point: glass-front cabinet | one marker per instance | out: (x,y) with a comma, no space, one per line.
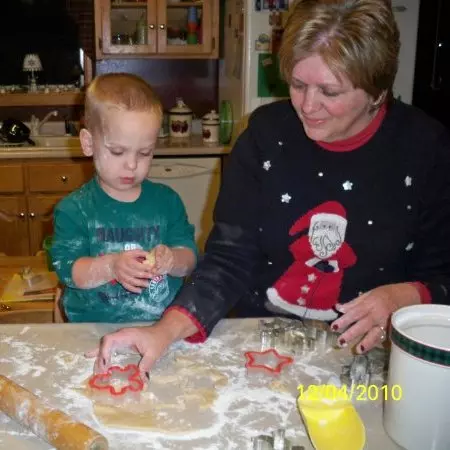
(165,28)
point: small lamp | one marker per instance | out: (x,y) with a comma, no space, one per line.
(32,63)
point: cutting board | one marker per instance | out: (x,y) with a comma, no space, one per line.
(43,287)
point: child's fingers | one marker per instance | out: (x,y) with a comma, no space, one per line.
(136,254)
(131,288)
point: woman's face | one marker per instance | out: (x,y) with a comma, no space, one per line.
(330,109)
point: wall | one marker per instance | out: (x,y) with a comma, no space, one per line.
(196,81)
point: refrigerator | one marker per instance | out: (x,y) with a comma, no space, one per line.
(248,71)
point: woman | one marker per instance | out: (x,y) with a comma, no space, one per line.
(336,201)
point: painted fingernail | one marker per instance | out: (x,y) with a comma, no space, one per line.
(334,327)
(363,349)
(342,342)
(147,375)
(104,361)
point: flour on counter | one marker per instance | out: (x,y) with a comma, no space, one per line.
(241,407)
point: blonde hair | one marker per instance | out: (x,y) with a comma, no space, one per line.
(120,91)
(355,38)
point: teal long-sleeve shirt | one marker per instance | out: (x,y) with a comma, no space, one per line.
(90,223)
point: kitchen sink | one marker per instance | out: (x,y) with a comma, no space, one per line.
(56,141)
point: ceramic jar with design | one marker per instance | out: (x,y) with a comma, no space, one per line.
(210,127)
(180,120)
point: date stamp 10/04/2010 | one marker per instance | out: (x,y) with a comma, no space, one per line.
(358,392)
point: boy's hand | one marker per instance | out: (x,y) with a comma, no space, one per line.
(164,260)
(129,271)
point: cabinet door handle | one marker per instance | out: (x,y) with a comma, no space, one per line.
(162,26)
(64,178)
(32,215)
(151,26)
(4,307)
(21,215)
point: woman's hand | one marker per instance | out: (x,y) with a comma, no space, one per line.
(150,342)
(366,318)
(129,270)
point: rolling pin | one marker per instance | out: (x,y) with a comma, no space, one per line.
(52,425)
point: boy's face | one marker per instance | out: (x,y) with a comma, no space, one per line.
(122,147)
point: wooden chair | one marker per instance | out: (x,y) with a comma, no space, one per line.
(58,313)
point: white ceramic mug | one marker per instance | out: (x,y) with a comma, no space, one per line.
(417,403)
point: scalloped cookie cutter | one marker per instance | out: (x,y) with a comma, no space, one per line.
(118,382)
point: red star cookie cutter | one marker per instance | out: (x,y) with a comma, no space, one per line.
(128,379)
(269,362)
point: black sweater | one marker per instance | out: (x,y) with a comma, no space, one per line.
(395,190)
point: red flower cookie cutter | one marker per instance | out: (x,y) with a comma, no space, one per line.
(128,376)
(269,362)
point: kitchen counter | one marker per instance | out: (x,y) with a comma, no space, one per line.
(193,146)
(49,361)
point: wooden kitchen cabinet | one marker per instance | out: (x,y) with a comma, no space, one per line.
(156,28)
(29,191)
(13,225)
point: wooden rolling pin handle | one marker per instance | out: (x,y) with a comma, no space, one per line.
(52,425)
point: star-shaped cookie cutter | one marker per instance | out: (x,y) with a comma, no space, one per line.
(269,362)
(129,379)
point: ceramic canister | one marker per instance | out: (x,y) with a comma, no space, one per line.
(417,396)
(210,127)
(180,120)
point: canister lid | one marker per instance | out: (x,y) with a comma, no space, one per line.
(180,107)
(211,118)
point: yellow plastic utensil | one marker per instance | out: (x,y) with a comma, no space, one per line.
(331,419)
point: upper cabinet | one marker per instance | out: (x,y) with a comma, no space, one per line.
(157,28)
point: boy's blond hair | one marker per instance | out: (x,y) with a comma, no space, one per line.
(119,91)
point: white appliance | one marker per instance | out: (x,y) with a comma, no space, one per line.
(244,30)
(245,59)
(197,181)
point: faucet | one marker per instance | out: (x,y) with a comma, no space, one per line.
(36,124)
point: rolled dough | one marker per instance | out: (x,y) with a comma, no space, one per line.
(176,401)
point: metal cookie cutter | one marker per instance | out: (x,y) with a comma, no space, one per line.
(311,336)
(277,441)
(117,384)
(268,362)
(364,368)
(272,333)
(296,336)
(358,372)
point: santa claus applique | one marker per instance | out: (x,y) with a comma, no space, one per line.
(310,287)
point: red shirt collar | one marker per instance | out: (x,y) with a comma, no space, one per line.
(358,140)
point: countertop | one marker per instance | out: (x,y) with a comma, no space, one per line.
(48,360)
(193,146)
